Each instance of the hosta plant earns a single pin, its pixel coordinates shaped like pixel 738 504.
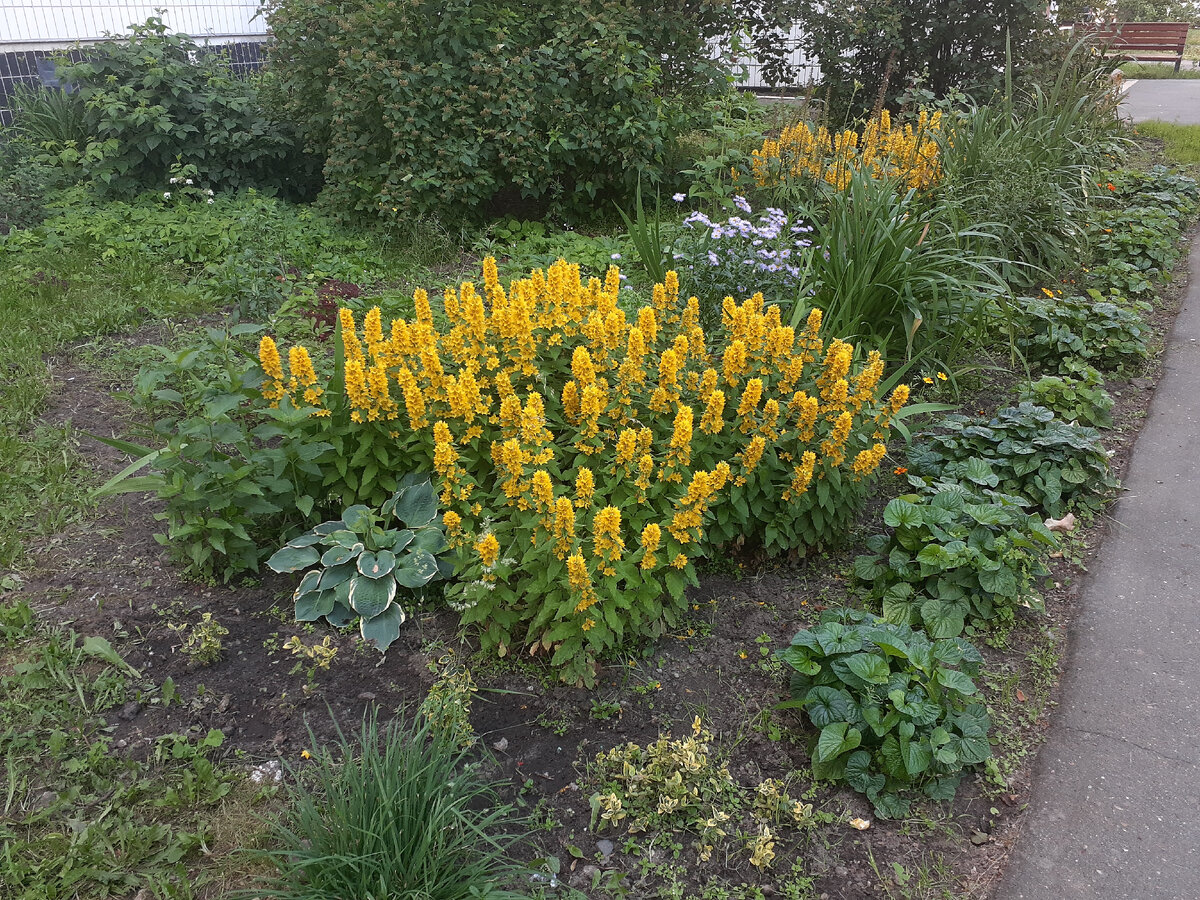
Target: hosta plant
pixel 1022 450
pixel 358 567
pixel 894 710
pixel 954 555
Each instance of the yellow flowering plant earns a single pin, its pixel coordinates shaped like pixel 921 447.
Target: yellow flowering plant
pixel 908 154
pixel 586 455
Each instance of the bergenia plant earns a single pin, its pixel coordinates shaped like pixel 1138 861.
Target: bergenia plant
pixel 362 567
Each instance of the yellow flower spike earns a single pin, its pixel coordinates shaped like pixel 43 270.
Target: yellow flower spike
pixel 373 330
pixel 833 448
pixel 581 367
pixel 712 422
pixel 488 549
pixel 734 362
pixel 650 539
pixel 606 536
pixel 647 323
pixel 801 476
pixel 867 461
pixel 581 582
pixel 423 312
pixel 570 402
pixel 268 356
pixel 748 405
pixel 543 490
pixel 585 487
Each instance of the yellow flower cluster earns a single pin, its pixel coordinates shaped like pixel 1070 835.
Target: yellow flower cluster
pixel 301 387
pixel 594 447
pixel 909 154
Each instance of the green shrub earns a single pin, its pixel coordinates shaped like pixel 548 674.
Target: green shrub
pixel 1056 333
pixel 893 708
pixel 1023 450
pixel 159 97
pixel 956 554
pixel 1080 397
pixel 25 184
pixel 398 812
pixel 454 106
pixel 1146 237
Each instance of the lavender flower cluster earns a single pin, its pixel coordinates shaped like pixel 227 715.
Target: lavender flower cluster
pixel 740 256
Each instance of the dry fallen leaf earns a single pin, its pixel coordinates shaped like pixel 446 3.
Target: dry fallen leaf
pixel 1020 696
pixel 501 744
pixel 860 824
pixel 1066 523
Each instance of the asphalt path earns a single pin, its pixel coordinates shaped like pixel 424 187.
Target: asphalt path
pixel 1163 100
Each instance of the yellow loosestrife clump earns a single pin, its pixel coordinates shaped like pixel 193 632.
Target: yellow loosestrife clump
pixel 909 154
pixel 598 453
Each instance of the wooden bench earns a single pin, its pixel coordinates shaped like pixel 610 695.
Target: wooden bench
pixel 1141 41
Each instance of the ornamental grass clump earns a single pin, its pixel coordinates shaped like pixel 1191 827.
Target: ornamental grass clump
pixel 586 456
pixel 908 155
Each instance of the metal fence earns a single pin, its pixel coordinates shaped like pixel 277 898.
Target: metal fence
pixel 803 69
pixel 33 32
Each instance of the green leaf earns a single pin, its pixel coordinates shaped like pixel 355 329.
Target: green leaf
pixel 314 605
pixel 836 738
pixel 826 705
pixel 943 619
pixel 916 756
pixel 292 559
pixel 383 629
pixel 100 648
pixel 335 575
pixel 336 556
pixel 308 584
pixel 901 513
pixel 377 565
pixel 417 505
pixel 978 471
pixel 357 518
pixel 416 569
pixel 869 667
pixel 371 596
pixel 952 678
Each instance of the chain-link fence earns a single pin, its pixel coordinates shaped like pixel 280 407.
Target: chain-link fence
pixel 33 32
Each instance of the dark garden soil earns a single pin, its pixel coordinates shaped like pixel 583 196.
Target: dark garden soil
pixel 110 577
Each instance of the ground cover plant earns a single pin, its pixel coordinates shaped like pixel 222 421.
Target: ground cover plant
pixel 957 553
pixel 1023 450
pixel 893 708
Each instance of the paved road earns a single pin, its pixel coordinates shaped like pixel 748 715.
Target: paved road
pixel 1164 100
pixel 1116 811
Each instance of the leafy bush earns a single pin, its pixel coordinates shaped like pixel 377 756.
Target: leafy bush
pixel 158 97
pixel 25 184
pixel 400 807
pixel 1058 332
pixel 956 554
pixel 451 107
pixel 578 482
pixel 234 485
pixel 1146 237
pixel 893 708
pixel 1079 397
pixel 1157 186
pixel 1024 450
pixel 364 566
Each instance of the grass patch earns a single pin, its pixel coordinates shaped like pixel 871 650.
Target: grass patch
pixel 398 812
pixel 48 300
pixel 1181 143
pixel 1159 71
pixel 77 818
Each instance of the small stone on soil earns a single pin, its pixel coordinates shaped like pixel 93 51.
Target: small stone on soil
pixel 129 710
pixel 606 847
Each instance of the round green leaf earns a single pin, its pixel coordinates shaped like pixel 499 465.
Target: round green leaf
pixel 370 596
pixel 305 540
pixel 836 738
pixel 292 559
pixel 335 575
pixel 869 667
pixel 377 565
pixel 341 614
pixel 383 629
pixel 417 505
pixel 416 569
pixel 357 517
